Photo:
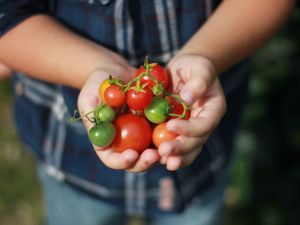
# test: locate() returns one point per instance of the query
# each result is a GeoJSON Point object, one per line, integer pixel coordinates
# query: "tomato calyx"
{"type": "Point", "coordinates": [115, 80]}
{"type": "Point", "coordinates": [103, 113]}
{"type": "Point", "coordinates": [158, 89]}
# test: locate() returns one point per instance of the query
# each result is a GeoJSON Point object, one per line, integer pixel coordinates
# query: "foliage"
{"type": "Point", "coordinates": [266, 177]}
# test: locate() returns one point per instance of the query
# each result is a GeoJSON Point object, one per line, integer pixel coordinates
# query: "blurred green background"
{"type": "Point", "coordinates": [265, 184]}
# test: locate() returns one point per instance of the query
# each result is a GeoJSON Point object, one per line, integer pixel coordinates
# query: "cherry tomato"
{"type": "Point", "coordinates": [138, 99]}
{"type": "Point", "coordinates": [114, 96]}
{"type": "Point", "coordinates": [102, 88]}
{"type": "Point", "coordinates": [133, 132]}
{"type": "Point", "coordinates": [161, 134]}
{"type": "Point", "coordinates": [158, 110]}
{"type": "Point", "coordinates": [102, 134]}
{"type": "Point", "coordinates": [104, 113]}
{"type": "Point", "coordinates": [157, 71]}
{"type": "Point", "coordinates": [177, 108]}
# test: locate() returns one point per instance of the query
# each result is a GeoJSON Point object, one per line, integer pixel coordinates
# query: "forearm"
{"type": "Point", "coordinates": [237, 29]}
{"type": "Point", "coordinates": [46, 50]}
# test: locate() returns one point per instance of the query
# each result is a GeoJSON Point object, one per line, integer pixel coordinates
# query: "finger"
{"type": "Point", "coordinates": [180, 146]}
{"type": "Point", "coordinates": [116, 160]}
{"type": "Point", "coordinates": [147, 159]}
{"type": "Point", "coordinates": [88, 98]}
{"type": "Point", "coordinates": [200, 76]}
{"type": "Point", "coordinates": [176, 162]}
{"type": "Point", "coordinates": [194, 127]}
{"type": "Point", "coordinates": [205, 118]}
{"type": "Point", "coordinates": [173, 163]}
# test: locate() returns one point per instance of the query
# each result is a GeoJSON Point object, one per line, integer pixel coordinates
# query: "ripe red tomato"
{"type": "Point", "coordinates": [138, 99]}
{"type": "Point", "coordinates": [161, 134]}
{"type": "Point", "coordinates": [177, 108]}
{"type": "Point", "coordinates": [133, 132]}
{"type": "Point", "coordinates": [114, 96]}
{"type": "Point", "coordinates": [156, 71]}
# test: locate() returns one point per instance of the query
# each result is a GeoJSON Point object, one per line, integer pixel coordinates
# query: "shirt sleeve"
{"type": "Point", "coordinates": [12, 12]}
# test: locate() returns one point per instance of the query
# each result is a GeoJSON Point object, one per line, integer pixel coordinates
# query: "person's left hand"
{"type": "Point", "coordinates": [194, 77]}
{"type": "Point", "coordinates": [88, 99]}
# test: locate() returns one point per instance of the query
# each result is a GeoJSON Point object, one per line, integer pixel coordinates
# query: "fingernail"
{"type": "Point", "coordinates": [187, 97]}
{"type": "Point", "coordinates": [171, 126]}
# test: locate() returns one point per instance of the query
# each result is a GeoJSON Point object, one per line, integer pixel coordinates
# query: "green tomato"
{"type": "Point", "coordinates": [102, 134]}
{"type": "Point", "coordinates": [104, 113]}
{"type": "Point", "coordinates": [158, 110]}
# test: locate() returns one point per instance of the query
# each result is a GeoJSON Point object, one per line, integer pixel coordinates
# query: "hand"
{"type": "Point", "coordinates": [88, 100]}
{"type": "Point", "coordinates": [194, 77]}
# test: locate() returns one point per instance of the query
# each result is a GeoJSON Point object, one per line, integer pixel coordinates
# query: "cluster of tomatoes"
{"type": "Point", "coordinates": [134, 115]}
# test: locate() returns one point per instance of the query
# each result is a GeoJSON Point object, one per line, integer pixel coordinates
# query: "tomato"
{"type": "Point", "coordinates": [158, 110]}
{"type": "Point", "coordinates": [161, 134]}
{"type": "Point", "coordinates": [114, 96]}
{"type": "Point", "coordinates": [133, 132]}
{"type": "Point", "coordinates": [102, 88]}
{"type": "Point", "coordinates": [138, 99]}
{"type": "Point", "coordinates": [104, 113]}
{"type": "Point", "coordinates": [177, 108]}
{"type": "Point", "coordinates": [102, 134]}
{"type": "Point", "coordinates": [157, 71]}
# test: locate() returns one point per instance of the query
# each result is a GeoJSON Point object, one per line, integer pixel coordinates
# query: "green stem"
{"type": "Point", "coordinates": [182, 102]}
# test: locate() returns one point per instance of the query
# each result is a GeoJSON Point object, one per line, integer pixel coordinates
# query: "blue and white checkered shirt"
{"type": "Point", "coordinates": [134, 29]}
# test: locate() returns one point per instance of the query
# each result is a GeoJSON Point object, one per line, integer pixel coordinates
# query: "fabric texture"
{"type": "Point", "coordinates": [68, 206]}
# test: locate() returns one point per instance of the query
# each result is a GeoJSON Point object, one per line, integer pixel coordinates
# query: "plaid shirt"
{"type": "Point", "coordinates": [133, 29]}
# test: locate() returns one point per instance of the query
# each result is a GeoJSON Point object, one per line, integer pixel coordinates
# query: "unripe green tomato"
{"type": "Point", "coordinates": [104, 113]}
{"type": "Point", "coordinates": [102, 134]}
{"type": "Point", "coordinates": [158, 110]}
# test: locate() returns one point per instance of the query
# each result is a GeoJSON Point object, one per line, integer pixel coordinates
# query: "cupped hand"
{"type": "Point", "coordinates": [88, 99]}
{"type": "Point", "coordinates": [194, 77]}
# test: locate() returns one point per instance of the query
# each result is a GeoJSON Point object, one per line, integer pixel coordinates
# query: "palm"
{"type": "Point", "coordinates": [195, 79]}
{"type": "Point", "coordinates": [128, 159]}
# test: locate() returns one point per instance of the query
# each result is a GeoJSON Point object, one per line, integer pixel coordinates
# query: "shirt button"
{"type": "Point", "coordinates": [104, 2]}
{"type": "Point", "coordinates": [19, 88]}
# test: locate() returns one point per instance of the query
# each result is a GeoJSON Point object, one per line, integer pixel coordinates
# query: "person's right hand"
{"type": "Point", "coordinates": [88, 99]}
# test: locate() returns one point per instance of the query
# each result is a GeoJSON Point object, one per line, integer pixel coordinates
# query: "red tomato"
{"type": "Point", "coordinates": [114, 96]}
{"type": "Point", "coordinates": [161, 134]}
{"type": "Point", "coordinates": [138, 99]}
{"type": "Point", "coordinates": [156, 71]}
{"type": "Point", "coordinates": [177, 108]}
{"type": "Point", "coordinates": [133, 132]}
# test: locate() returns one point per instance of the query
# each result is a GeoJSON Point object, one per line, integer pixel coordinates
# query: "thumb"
{"type": "Point", "coordinates": [199, 80]}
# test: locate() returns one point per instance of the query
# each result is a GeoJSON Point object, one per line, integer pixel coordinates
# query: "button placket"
{"type": "Point", "coordinates": [19, 88]}
{"type": "Point", "coordinates": [104, 2]}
